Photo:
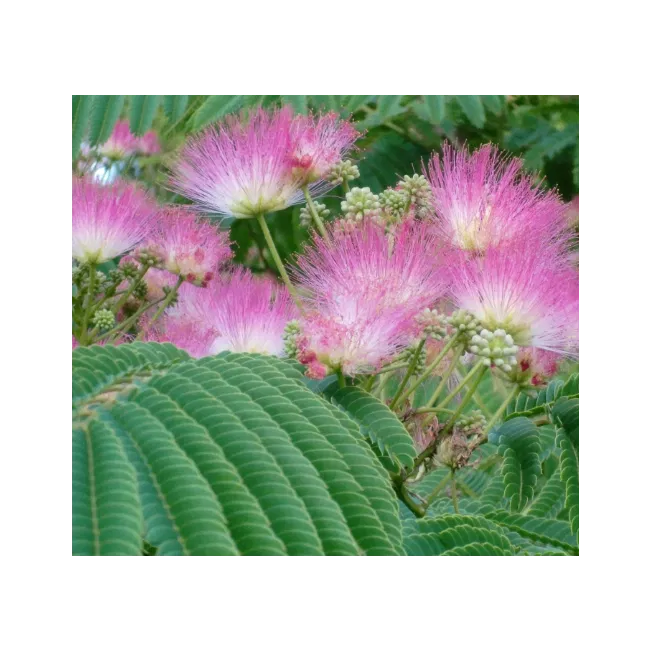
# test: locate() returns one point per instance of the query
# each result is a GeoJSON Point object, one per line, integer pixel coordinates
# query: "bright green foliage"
{"type": "Point", "coordinates": [81, 105]}
{"type": "Point", "coordinates": [105, 112]}
{"type": "Point", "coordinates": [142, 111]}
{"type": "Point", "coordinates": [528, 406]}
{"type": "Point", "coordinates": [566, 414]}
{"type": "Point", "coordinates": [175, 106]}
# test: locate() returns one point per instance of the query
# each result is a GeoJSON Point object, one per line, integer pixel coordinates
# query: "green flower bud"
{"type": "Point", "coordinates": [418, 192]}
{"type": "Point", "coordinates": [394, 204]}
{"type": "Point", "coordinates": [343, 171]}
{"type": "Point", "coordinates": [306, 219]}
{"type": "Point", "coordinates": [289, 336]}
{"type": "Point", "coordinates": [104, 319]}
{"type": "Point", "coordinates": [360, 202]}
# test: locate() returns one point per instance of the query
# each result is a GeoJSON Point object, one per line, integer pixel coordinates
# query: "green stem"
{"type": "Point", "coordinates": [445, 378]}
{"type": "Point", "coordinates": [454, 493]}
{"type": "Point", "coordinates": [499, 412]}
{"type": "Point", "coordinates": [125, 296]}
{"type": "Point", "coordinates": [89, 303]}
{"type": "Point", "coordinates": [466, 400]}
{"type": "Point", "coordinates": [432, 366]}
{"type": "Point", "coordinates": [461, 385]}
{"type": "Point", "coordinates": [411, 369]}
{"type": "Point", "coordinates": [260, 244]}
{"type": "Point", "coordinates": [403, 493]}
{"type": "Point", "coordinates": [434, 409]}
{"type": "Point", "coordinates": [165, 303]}
{"type": "Point", "coordinates": [124, 326]}
{"type": "Point", "coordinates": [346, 187]}
{"type": "Point", "coordinates": [314, 215]}
{"type": "Point", "coordinates": [278, 262]}
{"type": "Point", "coordinates": [339, 374]}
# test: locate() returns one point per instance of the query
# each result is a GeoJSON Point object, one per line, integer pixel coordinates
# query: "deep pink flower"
{"type": "Point", "coordinates": [364, 291]}
{"type": "Point", "coordinates": [484, 200]}
{"type": "Point", "coordinates": [241, 167]}
{"type": "Point", "coordinates": [527, 289]}
{"type": "Point", "coordinates": [188, 247]}
{"type": "Point", "coordinates": [540, 365]}
{"type": "Point", "coordinates": [318, 143]}
{"type": "Point", "coordinates": [108, 220]}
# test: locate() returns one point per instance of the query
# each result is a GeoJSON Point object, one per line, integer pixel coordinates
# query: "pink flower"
{"type": "Point", "coordinates": [148, 144]}
{"type": "Point", "coordinates": [108, 220]}
{"type": "Point", "coordinates": [364, 292]}
{"type": "Point", "coordinates": [121, 143]}
{"type": "Point", "coordinates": [318, 143]}
{"type": "Point", "coordinates": [194, 250]}
{"type": "Point", "coordinates": [242, 167]}
{"type": "Point", "coordinates": [240, 313]}
{"type": "Point", "coordinates": [539, 365]}
{"type": "Point", "coordinates": [484, 200]}
{"type": "Point", "coordinates": [527, 289]}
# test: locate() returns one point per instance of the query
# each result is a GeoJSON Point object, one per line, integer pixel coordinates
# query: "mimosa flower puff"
{"type": "Point", "coordinates": [251, 165]}
{"type": "Point", "coordinates": [238, 312]}
{"type": "Point", "coordinates": [363, 293]}
{"type": "Point", "coordinates": [484, 200]}
{"type": "Point", "coordinates": [108, 220]}
{"type": "Point", "coordinates": [188, 247]}
{"type": "Point", "coordinates": [527, 290]}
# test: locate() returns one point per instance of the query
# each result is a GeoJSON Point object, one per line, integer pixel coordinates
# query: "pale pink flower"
{"type": "Point", "coordinates": [242, 167]}
{"type": "Point", "coordinates": [526, 289]}
{"type": "Point", "coordinates": [148, 144]}
{"type": "Point", "coordinates": [121, 143]}
{"type": "Point", "coordinates": [318, 143]}
{"type": "Point", "coordinates": [239, 312]}
{"type": "Point", "coordinates": [108, 220]}
{"type": "Point", "coordinates": [484, 200]}
{"type": "Point", "coordinates": [364, 291]}
{"type": "Point", "coordinates": [191, 248]}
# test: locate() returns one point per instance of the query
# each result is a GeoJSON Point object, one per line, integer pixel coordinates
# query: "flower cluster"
{"type": "Point", "coordinates": [122, 143]}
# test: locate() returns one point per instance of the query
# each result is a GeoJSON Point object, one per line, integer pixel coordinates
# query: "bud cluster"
{"type": "Point", "coordinates": [418, 193]}
{"type": "Point", "coordinates": [420, 361]}
{"type": "Point", "coordinates": [342, 172]}
{"type": "Point", "coordinates": [394, 204]}
{"type": "Point", "coordinates": [433, 323]}
{"type": "Point", "coordinates": [306, 219]}
{"type": "Point", "coordinates": [497, 348]}
{"type": "Point", "coordinates": [148, 257]}
{"type": "Point", "coordinates": [290, 337]}
{"type": "Point", "coordinates": [104, 319]}
{"type": "Point", "coordinates": [360, 202]}
{"type": "Point", "coordinates": [464, 325]}
{"type": "Point", "coordinates": [472, 423]}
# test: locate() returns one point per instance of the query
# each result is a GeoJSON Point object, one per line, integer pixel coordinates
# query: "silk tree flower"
{"type": "Point", "coordinates": [364, 291]}
{"type": "Point", "coordinates": [121, 143]}
{"type": "Point", "coordinates": [148, 144]}
{"type": "Point", "coordinates": [484, 200]}
{"type": "Point", "coordinates": [192, 249]}
{"type": "Point", "coordinates": [243, 167]}
{"type": "Point", "coordinates": [536, 366]}
{"type": "Point", "coordinates": [318, 144]}
{"type": "Point", "coordinates": [108, 220]}
{"type": "Point", "coordinates": [526, 290]}
{"type": "Point", "coordinates": [240, 313]}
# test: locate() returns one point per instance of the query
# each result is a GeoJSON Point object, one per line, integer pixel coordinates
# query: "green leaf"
{"type": "Point", "coordinates": [549, 532]}
{"type": "Point", "coordinates": [377, 422]}
{"type": "Point", "coordinates": [472, 106]}
{"type": "Point", "coordinates": [299, 103]}
{"type": "Point", "coordinates": [81, 105]}
{"type": "Point", "coordinates": [566, 414]}
{"type": "Point", "coordinates": [550, 499]}
{"type": "Point", "coordinates": [527, 406]}
{"type": "Point", "coordinates": [105, 112]}
{"type": "Point", "coordinates": [520, 447]}
{"type": "Point", "coordinates": [106, 517]}
{"type": "Point", "coordinates": [355, 102]}
{"type": "Point", "coordinates": [457, 535]}
{"type": "Point", "coordinates": [235, 455]}
{"type": "Point", "coordinates": [174, 106]}
{"type": "Point", "coordinates": [494, 103]}
{"type": "Point", "coordinates": [216, 107]}
{"type": "Point", "coordinates": [435, 108]}
{"type": "Point", "coordinates": [143, 109]}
